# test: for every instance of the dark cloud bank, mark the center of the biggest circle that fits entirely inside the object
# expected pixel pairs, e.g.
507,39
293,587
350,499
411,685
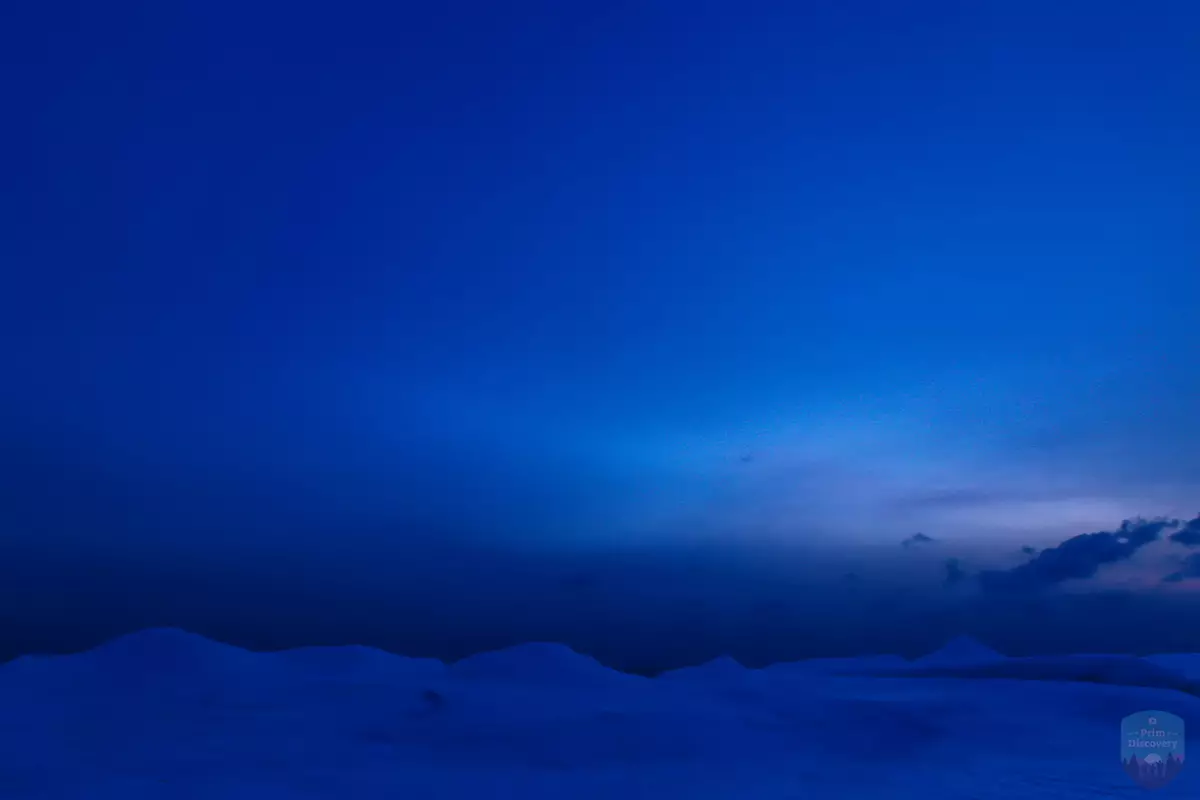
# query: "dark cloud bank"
1081,557
1189,534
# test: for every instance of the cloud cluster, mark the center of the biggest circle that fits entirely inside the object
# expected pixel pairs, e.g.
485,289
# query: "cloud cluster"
1079,557
1190,570
1189,534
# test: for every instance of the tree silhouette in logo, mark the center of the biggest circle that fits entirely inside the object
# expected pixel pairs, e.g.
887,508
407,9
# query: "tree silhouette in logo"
1153,771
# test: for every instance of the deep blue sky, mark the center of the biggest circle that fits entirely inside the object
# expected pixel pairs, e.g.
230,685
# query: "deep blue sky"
317,291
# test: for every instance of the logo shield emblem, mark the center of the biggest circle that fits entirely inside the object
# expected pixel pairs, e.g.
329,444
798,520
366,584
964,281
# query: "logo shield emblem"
1152,744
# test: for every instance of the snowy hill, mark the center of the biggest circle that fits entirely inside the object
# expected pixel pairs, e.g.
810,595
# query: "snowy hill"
165,714
720,670
837,666
961,650
1184,663
538,662
355,662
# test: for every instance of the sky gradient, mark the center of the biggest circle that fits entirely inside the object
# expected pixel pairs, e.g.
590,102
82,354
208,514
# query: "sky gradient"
341,293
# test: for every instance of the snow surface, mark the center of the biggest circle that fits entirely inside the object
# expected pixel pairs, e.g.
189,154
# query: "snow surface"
167,714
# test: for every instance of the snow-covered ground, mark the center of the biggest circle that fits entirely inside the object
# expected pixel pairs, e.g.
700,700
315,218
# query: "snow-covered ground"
166,714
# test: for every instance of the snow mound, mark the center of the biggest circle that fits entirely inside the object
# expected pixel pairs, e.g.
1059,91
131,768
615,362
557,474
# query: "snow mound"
722,669
960,650
836,666
356,662
537,662
146,659
1186,664
167,651
156,668
1113,670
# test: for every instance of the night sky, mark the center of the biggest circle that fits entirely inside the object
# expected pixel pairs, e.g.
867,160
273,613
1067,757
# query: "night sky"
664,329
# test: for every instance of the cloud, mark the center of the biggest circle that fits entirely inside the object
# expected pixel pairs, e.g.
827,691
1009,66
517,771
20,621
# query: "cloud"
1189,571
1189,534
1029,551
917,539
1079,557
955,498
